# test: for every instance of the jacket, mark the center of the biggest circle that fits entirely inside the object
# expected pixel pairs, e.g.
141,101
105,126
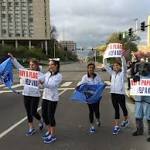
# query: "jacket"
117,79
27,89
51,84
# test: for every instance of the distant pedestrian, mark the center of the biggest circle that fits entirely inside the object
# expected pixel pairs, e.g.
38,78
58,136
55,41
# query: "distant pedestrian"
51,81
92,78
128,74
31,95
117,91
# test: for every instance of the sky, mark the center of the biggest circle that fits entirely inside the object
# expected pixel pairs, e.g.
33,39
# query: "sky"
90,22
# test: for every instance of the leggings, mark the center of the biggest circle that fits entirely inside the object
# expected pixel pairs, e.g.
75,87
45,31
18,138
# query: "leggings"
94,108
48,112
31,105
119,99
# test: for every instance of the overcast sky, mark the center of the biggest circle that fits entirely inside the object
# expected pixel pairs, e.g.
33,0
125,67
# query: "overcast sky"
90,22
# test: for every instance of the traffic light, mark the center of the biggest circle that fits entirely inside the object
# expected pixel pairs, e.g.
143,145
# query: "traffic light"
120,36
143,26
130,32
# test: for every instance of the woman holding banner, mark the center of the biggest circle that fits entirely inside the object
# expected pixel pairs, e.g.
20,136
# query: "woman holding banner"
51,81
92,78
117,91
31,94
142,104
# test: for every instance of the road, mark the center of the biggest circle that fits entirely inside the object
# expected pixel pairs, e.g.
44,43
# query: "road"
71,118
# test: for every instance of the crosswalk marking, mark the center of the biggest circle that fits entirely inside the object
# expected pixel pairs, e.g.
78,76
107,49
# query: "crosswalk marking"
66,84
15,86
2,85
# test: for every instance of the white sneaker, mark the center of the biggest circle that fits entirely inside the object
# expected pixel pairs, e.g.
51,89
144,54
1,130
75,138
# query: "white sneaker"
124,123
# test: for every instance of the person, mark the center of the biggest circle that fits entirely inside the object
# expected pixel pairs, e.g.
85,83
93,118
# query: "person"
51,81
142,105
31,95
92,78
129,74
117,91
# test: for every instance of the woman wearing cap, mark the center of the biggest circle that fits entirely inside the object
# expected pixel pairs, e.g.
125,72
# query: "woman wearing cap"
51,81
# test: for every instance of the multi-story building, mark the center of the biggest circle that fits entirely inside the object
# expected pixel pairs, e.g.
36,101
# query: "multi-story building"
25,20
68,45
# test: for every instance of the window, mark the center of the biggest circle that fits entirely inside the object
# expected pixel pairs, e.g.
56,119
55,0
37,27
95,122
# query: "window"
29,1
3,31
3,8
30,20
3,16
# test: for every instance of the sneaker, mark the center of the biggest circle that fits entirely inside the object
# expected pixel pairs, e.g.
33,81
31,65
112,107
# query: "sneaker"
124,123
98,123
50,139
92,130
116,130
41,125
30,132
46,135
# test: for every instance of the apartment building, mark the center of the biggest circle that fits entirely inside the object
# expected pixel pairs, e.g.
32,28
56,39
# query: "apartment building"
25,20
68,45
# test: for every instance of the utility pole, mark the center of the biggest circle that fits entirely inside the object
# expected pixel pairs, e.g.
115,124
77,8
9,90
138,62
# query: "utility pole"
136,25
54,49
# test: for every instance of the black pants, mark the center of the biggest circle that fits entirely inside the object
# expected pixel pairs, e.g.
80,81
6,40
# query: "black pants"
128,83
31,105
94,109
48,112
119,100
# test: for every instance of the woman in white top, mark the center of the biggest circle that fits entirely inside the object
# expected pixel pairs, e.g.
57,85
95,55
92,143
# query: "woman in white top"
51,81
31,95
92,78
117,90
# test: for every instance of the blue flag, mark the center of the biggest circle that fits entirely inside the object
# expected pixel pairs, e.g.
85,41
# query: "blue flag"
87,93
6,74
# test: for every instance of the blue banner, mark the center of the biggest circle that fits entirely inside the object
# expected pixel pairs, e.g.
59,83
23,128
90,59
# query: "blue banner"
6,74
87,93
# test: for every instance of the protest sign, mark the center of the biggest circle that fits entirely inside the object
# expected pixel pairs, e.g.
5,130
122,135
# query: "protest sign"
29,77
141,88
113,50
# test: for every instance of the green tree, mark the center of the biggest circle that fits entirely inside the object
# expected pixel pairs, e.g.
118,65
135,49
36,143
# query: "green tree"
128,42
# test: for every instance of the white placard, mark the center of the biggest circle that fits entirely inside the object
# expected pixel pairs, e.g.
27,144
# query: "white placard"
113,50
141,88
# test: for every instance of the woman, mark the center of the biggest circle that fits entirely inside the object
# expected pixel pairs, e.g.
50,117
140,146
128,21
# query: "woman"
92,78
142,105
117,91
51,81
31,95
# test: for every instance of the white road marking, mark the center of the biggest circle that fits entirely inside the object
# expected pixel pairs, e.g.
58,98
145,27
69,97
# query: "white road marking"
66,84
9,91
14,86
19,122
2,85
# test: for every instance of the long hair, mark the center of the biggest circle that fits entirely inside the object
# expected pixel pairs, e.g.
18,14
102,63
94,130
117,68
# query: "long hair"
91,64
56,63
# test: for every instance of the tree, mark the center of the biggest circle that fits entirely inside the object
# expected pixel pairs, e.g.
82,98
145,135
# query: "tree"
128,42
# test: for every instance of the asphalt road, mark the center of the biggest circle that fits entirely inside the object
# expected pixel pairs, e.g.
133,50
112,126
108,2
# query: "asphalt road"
72,121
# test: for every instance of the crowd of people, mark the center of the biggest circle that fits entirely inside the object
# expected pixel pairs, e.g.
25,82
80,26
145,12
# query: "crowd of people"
50,97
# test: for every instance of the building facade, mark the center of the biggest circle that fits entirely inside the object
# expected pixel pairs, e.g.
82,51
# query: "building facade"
25,20
68,45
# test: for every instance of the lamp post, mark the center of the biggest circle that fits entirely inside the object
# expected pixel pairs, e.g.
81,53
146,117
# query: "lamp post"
54,49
